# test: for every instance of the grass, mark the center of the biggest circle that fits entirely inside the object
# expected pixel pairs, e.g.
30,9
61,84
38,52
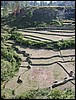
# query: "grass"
45,93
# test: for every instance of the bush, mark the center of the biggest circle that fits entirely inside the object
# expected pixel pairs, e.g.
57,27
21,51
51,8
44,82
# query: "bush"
65,44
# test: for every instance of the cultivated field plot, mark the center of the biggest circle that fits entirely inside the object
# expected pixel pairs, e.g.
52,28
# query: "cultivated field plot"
46,35
37,50
44,68
43,71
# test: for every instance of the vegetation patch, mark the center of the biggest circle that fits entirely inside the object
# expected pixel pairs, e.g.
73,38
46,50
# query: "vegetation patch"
42,94
61,44
37,16
10,61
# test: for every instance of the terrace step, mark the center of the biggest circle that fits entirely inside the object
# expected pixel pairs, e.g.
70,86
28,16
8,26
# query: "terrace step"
55,56
8,44
10,41
36,38
33,38
62,32
24,64
55,59
47,36
51,63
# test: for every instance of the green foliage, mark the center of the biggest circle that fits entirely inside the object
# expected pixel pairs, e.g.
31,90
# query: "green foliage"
62,44
7,70
45,94
55,94
56,23
6,94
29,15
8,54
42,25
5,37
10,61
33,94
61,94
39,44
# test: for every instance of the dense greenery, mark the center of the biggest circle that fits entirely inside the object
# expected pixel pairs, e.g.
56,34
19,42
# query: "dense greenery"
38,17
10,61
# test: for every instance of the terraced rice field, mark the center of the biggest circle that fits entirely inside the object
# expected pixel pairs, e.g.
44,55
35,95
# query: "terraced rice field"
46,36
44,68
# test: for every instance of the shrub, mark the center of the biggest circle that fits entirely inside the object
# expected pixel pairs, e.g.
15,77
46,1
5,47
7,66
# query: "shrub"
65,44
